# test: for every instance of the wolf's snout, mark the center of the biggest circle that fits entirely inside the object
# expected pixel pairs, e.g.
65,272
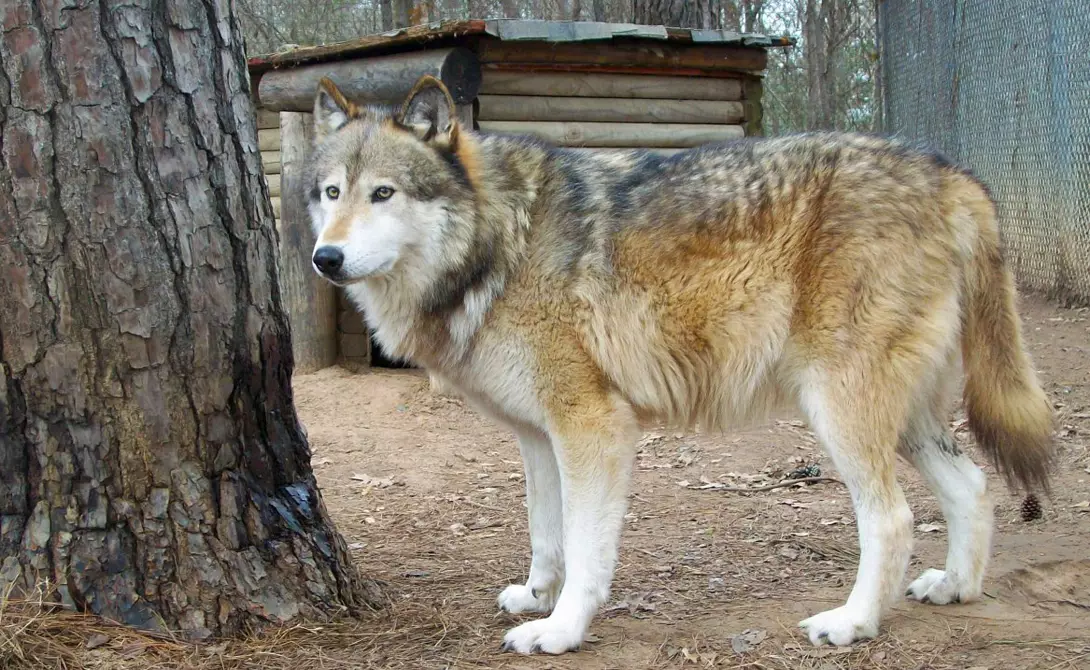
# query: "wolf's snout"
328,260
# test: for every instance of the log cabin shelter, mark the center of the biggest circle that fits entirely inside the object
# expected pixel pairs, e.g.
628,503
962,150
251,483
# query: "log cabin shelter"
587,85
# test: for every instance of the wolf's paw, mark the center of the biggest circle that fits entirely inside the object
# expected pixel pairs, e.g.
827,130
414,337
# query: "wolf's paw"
518,598
939,588
841,626
549,636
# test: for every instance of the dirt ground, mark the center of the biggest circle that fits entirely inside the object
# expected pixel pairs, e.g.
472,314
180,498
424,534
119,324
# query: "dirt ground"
429,496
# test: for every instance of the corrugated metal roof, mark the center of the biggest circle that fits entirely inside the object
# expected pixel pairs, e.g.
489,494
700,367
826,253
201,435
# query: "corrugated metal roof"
579,31
569,31
509,30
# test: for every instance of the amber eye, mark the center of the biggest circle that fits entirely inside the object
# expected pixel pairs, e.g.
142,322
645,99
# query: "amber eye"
382,193
332,192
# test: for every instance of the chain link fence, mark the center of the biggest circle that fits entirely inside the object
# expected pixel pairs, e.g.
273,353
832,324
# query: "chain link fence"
1003,86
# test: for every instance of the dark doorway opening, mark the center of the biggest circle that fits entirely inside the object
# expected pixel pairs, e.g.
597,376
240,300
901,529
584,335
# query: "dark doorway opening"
379,359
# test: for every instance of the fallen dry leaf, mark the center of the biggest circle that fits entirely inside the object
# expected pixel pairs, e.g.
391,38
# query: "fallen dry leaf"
379,482
747,640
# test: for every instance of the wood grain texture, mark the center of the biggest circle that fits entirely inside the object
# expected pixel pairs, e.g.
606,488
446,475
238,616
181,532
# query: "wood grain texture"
267,119
379,79
580,134
310,301
152,464
268,139
270,162
700,57
557,108
598,85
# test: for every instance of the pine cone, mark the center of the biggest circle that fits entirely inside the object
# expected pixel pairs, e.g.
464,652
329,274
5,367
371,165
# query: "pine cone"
1031,508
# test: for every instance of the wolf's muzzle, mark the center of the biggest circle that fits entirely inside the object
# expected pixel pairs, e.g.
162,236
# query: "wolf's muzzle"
329,261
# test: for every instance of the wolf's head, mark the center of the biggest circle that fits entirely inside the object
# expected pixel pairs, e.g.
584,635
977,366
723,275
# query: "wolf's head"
385,184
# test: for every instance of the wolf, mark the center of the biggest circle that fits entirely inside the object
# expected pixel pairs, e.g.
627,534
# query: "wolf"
578,298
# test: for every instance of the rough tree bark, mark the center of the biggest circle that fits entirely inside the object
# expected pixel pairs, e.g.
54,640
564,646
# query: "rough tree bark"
152,467
386,9
677,13
402,13
598,10
820,37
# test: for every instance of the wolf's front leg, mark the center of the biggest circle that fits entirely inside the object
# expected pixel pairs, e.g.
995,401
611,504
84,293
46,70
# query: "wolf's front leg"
595,468
546,512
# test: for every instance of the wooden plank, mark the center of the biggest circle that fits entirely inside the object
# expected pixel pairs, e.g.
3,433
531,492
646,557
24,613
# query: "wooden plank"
557,108
660,70
270,162
276,207
464,113
267,119
589,134
273,180
594,85
268,139
705,57
382,79
310,301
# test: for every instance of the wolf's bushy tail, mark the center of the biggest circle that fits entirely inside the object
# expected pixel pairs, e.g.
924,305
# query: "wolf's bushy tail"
1008,411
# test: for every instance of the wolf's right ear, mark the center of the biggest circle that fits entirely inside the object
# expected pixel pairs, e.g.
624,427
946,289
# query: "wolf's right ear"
331,109
429,112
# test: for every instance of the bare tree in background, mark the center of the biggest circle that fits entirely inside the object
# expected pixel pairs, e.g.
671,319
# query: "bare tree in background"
679,13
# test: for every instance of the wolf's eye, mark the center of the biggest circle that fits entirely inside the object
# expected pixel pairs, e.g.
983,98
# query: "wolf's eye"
382,193
332,192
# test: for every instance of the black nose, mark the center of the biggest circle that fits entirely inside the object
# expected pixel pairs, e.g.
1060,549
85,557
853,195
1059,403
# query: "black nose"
329,260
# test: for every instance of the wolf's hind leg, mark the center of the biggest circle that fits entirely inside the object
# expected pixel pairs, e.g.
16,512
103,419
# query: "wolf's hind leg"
545,509
857,422
962,492
594,452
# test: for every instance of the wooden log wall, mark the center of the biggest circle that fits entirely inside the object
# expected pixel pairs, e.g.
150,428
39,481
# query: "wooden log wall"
268,138
600,110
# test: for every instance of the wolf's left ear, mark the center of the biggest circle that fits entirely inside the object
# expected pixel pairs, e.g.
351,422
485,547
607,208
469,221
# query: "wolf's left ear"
429,112
331,109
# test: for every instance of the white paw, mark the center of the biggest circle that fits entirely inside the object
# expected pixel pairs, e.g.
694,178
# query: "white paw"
934,587
550,636
518,598
841,627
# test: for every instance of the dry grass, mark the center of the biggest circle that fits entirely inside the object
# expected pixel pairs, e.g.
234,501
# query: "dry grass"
36,635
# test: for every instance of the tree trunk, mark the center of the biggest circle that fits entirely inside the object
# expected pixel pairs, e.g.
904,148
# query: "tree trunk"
821,38
750,15
402,13
152,467
386,9
598,7
477,9
677,13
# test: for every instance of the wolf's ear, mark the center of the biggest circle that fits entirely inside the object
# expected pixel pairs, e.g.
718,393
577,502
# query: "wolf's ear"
331,109
428,111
